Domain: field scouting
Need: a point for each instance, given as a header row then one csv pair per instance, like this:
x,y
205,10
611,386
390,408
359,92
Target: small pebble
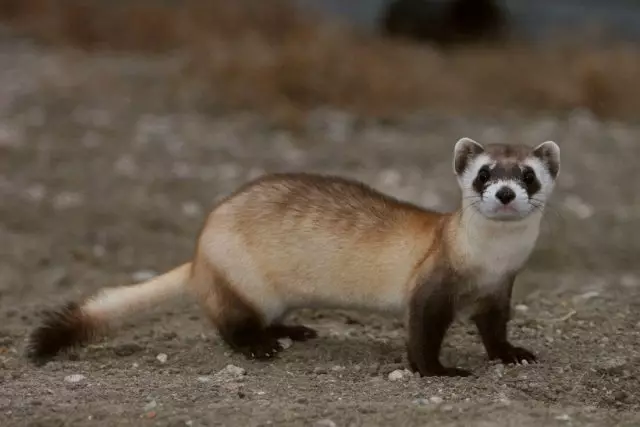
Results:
x,y
285,343
390,177
629,281
143,275
162,358
588,295
67,200
10,137
151,405
191,209
75,378
98,251
325,423
125,166
233,370
521,308
436,400
399,375
563,417
578,207
36,192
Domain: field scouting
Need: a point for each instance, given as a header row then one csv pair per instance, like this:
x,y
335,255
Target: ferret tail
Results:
x,y
77,324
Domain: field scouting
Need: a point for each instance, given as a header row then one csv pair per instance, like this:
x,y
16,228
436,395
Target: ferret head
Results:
x,y
505,182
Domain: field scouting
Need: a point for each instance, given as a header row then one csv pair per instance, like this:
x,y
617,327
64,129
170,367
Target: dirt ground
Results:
x,y
105,179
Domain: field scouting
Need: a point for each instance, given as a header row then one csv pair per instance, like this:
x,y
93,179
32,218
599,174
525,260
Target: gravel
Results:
x,y
74,378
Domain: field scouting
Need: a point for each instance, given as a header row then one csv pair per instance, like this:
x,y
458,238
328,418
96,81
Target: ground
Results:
x,y
105,179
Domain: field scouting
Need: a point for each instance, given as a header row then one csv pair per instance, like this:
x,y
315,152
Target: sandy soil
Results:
x,y
105,179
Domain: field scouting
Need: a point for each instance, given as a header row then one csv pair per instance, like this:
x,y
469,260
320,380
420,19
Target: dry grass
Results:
x,y
265,56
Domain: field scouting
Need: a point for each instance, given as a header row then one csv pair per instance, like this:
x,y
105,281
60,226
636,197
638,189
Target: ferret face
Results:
x,y
506,182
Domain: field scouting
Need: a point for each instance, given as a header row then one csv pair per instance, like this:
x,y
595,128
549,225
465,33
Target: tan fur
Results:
x,y
335,245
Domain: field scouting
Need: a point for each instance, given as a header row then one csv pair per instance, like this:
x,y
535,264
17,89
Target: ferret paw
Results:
x,y
456,372
515,356
263,350
439,371
294,332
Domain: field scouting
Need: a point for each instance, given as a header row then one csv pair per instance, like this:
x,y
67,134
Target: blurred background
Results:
x,y
119,102
378,58
123,122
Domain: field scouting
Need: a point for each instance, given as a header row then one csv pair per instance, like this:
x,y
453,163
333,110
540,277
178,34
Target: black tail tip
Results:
x,y
59,330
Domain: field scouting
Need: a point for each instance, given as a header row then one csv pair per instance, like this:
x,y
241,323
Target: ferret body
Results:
x,y
288,241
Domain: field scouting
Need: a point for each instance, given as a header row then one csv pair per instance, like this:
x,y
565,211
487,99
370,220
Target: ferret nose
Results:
x,y
505,195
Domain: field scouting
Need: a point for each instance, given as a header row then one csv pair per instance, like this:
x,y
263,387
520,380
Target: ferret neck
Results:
x,y
480,240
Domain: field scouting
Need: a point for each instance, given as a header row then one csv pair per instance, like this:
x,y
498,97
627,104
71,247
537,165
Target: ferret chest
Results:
x,y
496,257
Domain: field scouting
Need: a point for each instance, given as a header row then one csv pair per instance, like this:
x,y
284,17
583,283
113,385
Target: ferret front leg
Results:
x,y
491,319
431,312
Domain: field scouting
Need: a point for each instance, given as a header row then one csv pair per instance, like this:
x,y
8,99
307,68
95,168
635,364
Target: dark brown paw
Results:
x,y
515,355
263,350
439,371
296,332
454,372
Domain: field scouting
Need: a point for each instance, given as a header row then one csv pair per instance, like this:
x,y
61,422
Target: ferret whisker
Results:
x,y
548,207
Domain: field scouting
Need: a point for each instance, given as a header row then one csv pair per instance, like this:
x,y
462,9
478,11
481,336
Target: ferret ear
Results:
x,y
549,153
465,150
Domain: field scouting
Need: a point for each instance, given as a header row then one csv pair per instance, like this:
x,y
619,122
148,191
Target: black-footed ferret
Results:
x,y
287,241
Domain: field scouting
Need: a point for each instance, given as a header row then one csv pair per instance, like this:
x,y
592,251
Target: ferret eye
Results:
x,y
484,175
528,176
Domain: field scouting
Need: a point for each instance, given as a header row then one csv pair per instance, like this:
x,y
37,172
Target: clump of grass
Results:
x,y
146,26
270,57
